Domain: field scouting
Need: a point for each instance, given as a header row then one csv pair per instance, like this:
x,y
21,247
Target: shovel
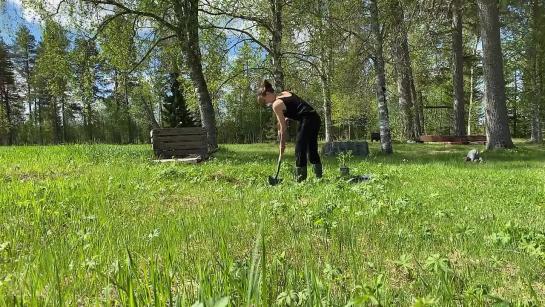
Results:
x,y
275,180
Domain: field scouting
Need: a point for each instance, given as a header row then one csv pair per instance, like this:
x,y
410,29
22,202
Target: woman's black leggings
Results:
x,y
307,140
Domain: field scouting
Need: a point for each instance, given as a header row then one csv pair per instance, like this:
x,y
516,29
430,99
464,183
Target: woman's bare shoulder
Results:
x,y
278,102
285,94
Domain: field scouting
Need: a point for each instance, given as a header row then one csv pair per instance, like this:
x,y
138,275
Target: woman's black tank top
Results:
x,y
296,108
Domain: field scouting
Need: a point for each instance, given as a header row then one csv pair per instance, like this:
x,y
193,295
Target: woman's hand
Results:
x,y
282,149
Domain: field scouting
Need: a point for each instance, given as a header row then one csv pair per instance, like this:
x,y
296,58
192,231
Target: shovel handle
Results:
x,y
278,167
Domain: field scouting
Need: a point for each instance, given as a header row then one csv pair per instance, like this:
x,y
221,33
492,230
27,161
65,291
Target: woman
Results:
x,y
286,106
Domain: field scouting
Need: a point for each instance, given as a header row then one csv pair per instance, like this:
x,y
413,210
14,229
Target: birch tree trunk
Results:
x,y
326,59
127,106
326,93
63,114
384,121
471,95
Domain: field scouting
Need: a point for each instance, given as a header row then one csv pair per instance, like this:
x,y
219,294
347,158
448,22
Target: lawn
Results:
x,y
103,225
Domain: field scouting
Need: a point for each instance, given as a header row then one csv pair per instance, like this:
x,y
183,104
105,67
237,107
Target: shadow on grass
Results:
x,y
455,154
415,154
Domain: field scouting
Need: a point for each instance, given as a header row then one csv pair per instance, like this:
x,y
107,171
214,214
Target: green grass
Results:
x,y
102,225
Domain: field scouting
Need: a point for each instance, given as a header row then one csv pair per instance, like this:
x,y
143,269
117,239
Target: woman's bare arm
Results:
x,y
278,108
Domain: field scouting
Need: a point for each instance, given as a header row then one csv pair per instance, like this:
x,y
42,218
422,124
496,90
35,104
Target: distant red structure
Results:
x,y
455,140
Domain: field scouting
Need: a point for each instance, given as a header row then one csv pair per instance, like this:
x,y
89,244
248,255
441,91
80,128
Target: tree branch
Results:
x,y
58,8
135,12
149,52
301,57
236,44
103,25
236,74
220,12
239,31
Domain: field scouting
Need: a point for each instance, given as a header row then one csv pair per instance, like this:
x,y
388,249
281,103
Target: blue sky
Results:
x,y
12,15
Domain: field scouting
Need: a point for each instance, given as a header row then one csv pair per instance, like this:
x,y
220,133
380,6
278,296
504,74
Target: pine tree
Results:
x,y
498,134
25,58
175,112
8,99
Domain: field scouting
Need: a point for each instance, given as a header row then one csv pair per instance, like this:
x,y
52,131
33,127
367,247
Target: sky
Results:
x,y
12,16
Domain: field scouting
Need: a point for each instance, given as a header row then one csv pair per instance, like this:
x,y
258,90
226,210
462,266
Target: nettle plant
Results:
x,y
344,158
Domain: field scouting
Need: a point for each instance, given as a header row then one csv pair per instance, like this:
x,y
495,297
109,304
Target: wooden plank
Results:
x,y
182,150
177,131
476,138
198,143
179,145
177,135
193,160
186,138
184,146
181,136
453,139
179,153
164,156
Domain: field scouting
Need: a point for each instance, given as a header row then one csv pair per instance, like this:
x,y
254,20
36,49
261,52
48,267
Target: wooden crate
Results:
x,y
170,143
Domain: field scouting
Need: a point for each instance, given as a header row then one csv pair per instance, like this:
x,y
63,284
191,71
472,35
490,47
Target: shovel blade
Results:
x,y
274,181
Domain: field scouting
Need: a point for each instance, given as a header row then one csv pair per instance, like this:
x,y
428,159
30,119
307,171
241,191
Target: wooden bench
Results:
x,y
450,139
190,142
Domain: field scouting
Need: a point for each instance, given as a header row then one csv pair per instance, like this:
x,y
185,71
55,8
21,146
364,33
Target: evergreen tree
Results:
x,y
9,108
25,58
175,112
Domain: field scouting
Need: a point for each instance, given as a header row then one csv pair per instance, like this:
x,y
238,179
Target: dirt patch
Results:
x,y
399,278
222,177
510,270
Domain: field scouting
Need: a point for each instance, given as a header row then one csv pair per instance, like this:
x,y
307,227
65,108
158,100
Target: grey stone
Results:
x,y
473,156
358,148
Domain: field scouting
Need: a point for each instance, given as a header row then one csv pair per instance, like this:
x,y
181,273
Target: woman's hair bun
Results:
x,y
266,87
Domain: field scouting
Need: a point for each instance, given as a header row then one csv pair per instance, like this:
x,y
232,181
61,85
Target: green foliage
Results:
x,y
53,61
344,158
241,118
51,80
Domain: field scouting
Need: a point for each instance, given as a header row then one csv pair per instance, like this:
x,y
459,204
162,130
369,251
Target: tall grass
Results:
x,y
103,225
